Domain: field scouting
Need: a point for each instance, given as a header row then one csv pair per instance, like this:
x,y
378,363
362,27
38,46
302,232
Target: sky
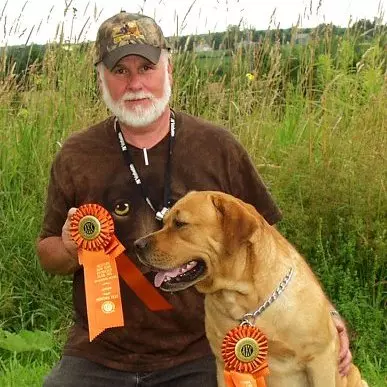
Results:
x,y
37,21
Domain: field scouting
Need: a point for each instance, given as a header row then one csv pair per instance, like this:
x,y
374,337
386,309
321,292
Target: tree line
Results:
x,y
17,60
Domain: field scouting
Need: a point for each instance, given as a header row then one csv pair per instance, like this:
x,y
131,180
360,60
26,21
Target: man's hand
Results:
x,y
58,254
68,242
345,356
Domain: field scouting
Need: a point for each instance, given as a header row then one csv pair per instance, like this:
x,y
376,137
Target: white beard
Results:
x,y
139,116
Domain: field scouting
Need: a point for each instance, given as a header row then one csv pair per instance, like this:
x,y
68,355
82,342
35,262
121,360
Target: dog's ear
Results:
x,y
238,221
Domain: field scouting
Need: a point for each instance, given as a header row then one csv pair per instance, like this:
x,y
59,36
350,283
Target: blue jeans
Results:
x,y
79,372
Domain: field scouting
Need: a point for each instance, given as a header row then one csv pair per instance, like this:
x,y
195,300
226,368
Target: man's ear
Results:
x,y
170,71
238,222
99,80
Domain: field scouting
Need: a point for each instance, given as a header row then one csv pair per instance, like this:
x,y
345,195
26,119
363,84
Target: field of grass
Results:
x,y
314,120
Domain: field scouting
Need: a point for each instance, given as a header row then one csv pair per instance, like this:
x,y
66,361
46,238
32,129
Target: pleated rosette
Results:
x,y
92,227
244,351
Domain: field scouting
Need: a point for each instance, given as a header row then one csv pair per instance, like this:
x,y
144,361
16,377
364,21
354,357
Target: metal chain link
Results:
x,y
249,318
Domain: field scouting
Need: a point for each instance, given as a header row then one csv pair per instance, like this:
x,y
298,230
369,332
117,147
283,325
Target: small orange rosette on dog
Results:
x,y
244,351
92,229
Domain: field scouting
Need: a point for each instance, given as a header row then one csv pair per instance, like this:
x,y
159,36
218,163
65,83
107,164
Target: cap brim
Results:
x,y
148,52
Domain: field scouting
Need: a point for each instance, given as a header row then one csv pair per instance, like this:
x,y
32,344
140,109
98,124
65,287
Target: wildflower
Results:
x,y
250,76
22,113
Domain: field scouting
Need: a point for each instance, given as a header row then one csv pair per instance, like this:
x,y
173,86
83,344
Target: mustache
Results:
x,y
130,96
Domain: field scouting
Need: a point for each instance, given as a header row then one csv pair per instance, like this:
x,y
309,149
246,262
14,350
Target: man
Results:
x,y
136,164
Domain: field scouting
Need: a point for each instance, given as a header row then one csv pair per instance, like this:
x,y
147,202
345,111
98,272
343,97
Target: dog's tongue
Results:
x,y
160,276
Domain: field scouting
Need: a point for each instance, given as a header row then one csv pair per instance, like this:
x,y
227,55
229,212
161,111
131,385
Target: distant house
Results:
x,y
301,38
202,47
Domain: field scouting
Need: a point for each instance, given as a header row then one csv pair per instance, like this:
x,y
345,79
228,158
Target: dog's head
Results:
x,y
202,237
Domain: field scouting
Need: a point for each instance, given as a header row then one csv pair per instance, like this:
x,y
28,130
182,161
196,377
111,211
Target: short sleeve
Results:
x,y
60,198
247,185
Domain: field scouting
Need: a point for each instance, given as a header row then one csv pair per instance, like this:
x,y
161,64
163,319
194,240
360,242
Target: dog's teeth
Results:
x,y
167,278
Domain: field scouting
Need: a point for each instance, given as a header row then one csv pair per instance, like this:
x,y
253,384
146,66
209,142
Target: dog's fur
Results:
x,y
245,260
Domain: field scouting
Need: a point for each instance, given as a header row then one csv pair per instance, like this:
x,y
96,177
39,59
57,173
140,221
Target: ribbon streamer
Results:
x,y
143,289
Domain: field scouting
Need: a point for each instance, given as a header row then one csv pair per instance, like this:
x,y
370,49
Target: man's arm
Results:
x,y
345,355
58,254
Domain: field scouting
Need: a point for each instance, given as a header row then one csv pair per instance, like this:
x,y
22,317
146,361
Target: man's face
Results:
x,y
136,90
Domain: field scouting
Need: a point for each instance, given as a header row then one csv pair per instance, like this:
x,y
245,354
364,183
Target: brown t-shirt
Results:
x,y
90,168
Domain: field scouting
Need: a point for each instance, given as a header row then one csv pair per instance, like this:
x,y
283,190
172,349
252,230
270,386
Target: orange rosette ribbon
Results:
x,y
244,351
92,229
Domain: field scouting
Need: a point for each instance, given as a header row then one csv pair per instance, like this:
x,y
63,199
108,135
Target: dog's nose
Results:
x,y
141,244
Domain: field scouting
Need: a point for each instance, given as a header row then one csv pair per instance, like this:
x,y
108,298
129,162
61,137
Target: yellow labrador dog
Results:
x,y
233,256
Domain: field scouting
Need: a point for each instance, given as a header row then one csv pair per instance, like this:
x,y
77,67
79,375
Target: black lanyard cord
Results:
x,y
168,167
136,177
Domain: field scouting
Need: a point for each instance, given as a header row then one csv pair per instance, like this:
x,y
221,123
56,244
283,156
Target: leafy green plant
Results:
x,y
25,341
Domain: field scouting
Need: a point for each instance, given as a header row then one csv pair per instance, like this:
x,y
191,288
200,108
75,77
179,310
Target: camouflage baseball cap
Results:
x,y
129,34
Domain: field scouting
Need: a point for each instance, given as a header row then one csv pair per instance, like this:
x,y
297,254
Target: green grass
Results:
x,y
314,120
29,371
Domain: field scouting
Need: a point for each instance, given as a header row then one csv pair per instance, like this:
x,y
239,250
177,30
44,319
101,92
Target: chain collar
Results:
x,y
249,318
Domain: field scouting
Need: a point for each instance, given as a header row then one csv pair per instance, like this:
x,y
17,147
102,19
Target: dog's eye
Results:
x,y
122,209
178,223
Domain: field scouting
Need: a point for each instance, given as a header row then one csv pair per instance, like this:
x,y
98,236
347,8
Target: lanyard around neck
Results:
x,y
136,177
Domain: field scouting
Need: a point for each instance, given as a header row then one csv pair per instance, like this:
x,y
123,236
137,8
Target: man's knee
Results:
x,y
74,372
